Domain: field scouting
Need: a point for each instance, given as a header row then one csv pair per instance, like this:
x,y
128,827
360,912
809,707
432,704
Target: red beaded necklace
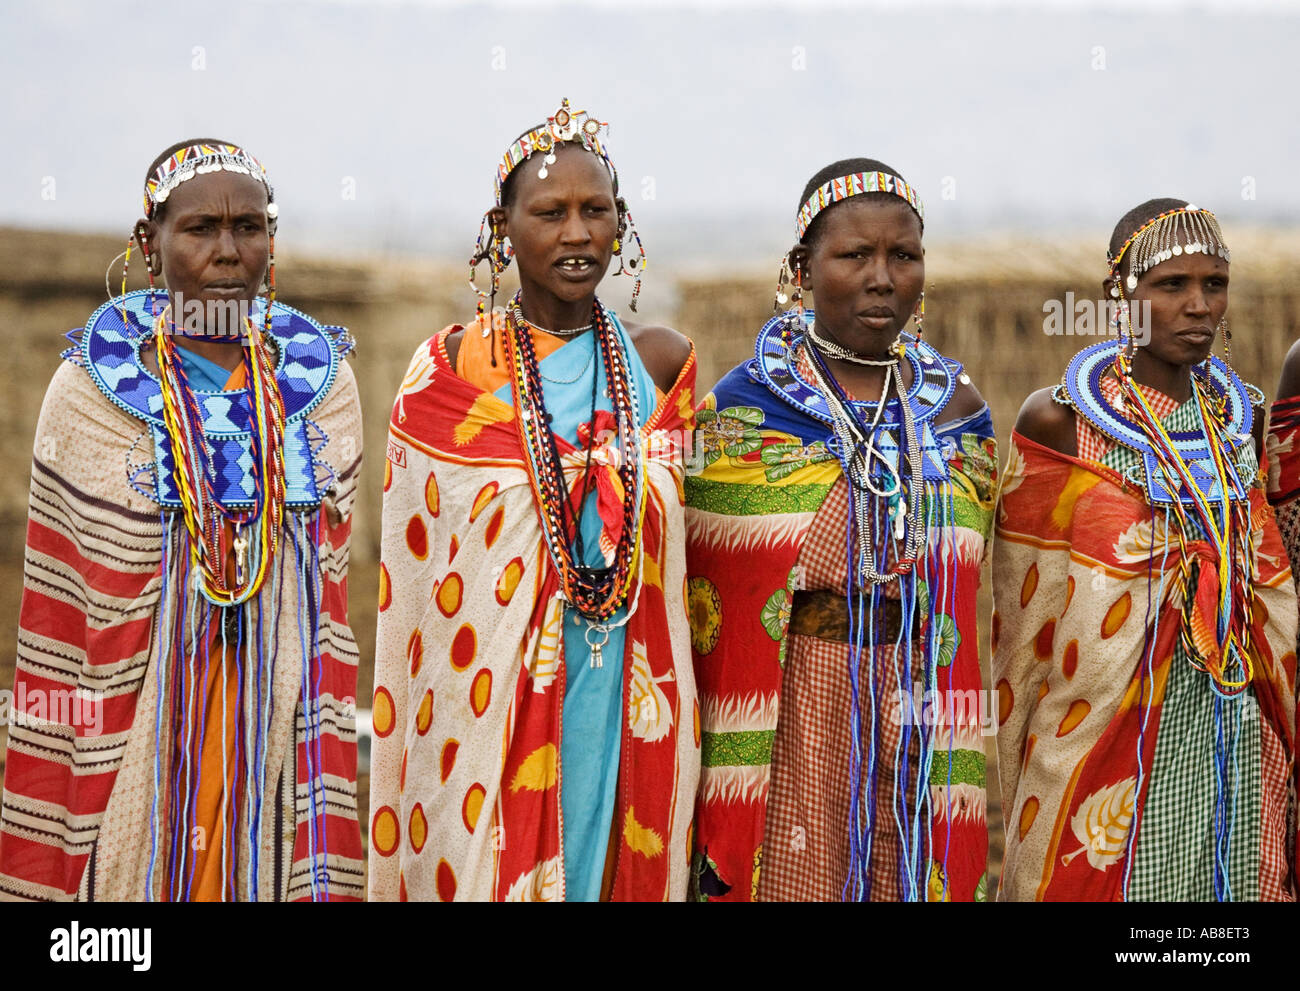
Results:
x,y
596,593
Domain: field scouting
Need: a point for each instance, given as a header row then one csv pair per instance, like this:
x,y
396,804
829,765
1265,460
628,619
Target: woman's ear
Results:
x,y
620,205
801,265
497,219
146,237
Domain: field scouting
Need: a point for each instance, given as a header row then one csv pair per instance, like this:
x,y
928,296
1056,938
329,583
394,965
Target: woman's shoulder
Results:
x,y
662,350
1049,423
1288,385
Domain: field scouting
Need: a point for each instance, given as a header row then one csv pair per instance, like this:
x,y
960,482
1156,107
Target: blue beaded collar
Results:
x,y
1081,389
309,357
934,380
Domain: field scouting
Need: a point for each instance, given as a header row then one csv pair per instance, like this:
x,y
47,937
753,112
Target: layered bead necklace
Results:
x,y
596,593
205,515
1225,524
859,452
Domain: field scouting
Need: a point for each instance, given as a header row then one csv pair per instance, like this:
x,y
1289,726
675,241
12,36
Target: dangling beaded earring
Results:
x,y
782,299
637,268
272,222
143,235
782,277
1227,342
481,252
1120,320
497,252
918,320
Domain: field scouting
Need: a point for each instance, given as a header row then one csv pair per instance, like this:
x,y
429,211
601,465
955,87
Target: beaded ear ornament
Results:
x,y
565,125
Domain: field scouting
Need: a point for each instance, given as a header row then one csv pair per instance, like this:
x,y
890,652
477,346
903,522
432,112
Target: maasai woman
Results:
x,y
186,578
1144,638
534,715
835,539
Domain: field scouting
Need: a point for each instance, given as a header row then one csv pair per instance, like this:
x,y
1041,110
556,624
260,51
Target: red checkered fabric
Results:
x,y
1093,445
806,837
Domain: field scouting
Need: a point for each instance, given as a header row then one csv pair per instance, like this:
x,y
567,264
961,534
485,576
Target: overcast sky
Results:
x,y
381,122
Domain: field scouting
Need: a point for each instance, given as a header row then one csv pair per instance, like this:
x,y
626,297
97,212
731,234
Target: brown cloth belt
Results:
x,y
824,614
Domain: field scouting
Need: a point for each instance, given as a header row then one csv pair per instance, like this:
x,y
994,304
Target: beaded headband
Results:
x,y
854,185
201,159
1184,230
565,124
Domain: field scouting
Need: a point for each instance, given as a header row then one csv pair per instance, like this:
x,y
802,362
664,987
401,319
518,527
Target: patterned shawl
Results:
x,y
469,673
78,803
1085,630
766,474
1282,446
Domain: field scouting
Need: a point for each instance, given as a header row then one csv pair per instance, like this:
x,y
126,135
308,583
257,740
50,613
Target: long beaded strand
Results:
x,y
1217,529
597,596
202,508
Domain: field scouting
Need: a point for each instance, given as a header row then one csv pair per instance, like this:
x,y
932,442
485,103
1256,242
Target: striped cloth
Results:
x,y
79,783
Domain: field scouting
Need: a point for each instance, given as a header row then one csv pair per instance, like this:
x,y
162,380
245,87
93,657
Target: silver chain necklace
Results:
x,y
833,350
582,374
520,321
853,438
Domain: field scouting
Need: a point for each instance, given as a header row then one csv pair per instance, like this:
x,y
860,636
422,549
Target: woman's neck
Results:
x,y
220,350
863,382
227,354
557,315
1175,381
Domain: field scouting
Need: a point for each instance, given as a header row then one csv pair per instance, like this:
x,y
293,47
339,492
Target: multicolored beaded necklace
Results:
x,y
204,512
1224,522
595,593
1191,476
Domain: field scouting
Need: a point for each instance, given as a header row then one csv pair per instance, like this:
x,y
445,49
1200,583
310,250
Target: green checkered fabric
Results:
x,y
1173,857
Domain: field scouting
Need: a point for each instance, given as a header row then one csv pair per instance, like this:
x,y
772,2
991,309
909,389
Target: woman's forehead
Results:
x,y
207,188
1188,263
878,214
574,166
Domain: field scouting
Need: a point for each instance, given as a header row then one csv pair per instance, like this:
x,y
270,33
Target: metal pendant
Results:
x,y
598,645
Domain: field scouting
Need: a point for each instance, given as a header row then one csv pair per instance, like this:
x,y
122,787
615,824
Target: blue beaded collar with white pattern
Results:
x,y
309,358
1081,388
934,380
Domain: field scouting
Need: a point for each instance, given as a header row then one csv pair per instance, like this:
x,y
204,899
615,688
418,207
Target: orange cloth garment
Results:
x,y
474,360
